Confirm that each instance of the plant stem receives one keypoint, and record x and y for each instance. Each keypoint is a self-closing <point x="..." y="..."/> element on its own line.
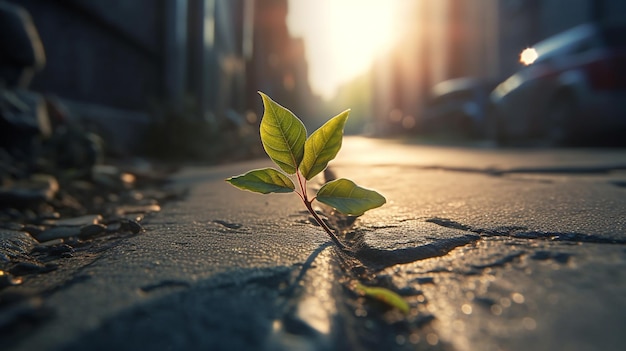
<point x="309" y="207"/>
<point x="302" y="184"/>
<point x="328" y="231"/>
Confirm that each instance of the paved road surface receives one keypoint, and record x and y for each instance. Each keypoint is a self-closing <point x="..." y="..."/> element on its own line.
<point x="493" y="250"/>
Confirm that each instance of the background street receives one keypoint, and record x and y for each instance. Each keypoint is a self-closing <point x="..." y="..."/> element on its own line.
<point x="488" y="129"/>
<point x="493" y="249"/>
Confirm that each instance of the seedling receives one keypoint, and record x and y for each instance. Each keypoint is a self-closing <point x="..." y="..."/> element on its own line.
<point x="285" y="141"/>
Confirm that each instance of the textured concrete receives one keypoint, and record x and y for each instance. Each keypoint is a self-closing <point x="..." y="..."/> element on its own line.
<point x="493" y="250"/>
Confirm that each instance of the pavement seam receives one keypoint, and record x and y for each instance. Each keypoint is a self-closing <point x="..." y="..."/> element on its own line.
<point x="524" y="233"/>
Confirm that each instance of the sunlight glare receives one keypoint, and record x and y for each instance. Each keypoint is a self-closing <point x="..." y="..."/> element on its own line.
<point x="342" y="38"/>
<point x="528" y="56"/>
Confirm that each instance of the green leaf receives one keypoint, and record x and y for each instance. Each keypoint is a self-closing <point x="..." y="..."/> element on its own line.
<point x="283" y="135"/>
<point x="264" y="181"/>
<point x="323" y="145"/>
<point x="349" y="198"/>
<point x="385" y="295"/>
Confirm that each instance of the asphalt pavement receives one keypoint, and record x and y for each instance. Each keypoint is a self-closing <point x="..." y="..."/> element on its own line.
<point x="493" y="249"/>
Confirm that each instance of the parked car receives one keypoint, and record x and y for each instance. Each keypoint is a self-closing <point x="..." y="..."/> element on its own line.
<point x="459" y="107"/>
<point x="572" y="91"/>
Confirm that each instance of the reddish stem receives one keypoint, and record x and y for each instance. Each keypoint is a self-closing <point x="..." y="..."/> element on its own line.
<point x="309" y="207"/>
<point x="327" y="229"/>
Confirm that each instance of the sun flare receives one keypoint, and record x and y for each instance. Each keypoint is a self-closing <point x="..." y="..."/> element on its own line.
<point x="342" y="37"/>
<point x="528" y="56"/>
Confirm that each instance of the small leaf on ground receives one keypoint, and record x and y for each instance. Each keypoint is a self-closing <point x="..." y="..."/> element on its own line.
<point x="323" y="145"/>
<point x="264" y="181"/>
<point x="385" y="295"/>
<point x="349" y="198"/>
<point x="283" y="135"/>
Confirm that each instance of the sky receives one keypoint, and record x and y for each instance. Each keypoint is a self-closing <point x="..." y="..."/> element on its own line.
<point x="342" y="37"/>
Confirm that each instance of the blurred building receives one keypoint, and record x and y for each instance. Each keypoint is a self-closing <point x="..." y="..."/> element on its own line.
<point x="103" y="53"/>
<point x="448" y="39"/>
<point x="278" y="66"/>
<point x="118" y="61"/>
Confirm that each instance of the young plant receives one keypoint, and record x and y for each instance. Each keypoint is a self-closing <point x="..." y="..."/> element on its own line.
<point x="285" y="141"/>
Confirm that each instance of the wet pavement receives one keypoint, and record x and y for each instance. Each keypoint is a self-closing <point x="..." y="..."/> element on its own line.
<point x="492" y="249"/>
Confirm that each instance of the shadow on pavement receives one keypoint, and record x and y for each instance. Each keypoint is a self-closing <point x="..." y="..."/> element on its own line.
<point x="230" y="311"/>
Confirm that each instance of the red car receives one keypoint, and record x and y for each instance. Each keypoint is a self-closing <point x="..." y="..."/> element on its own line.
<point x="572" y="91"/>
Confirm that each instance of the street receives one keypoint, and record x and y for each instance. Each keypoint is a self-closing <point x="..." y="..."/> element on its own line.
<point x="493" y="249"/>
<point x="123" y="224"/>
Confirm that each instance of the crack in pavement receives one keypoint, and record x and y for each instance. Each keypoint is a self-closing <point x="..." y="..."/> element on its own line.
<point x="290" y="300"/>
<point x="366" y="260"/>
<point x="378" y="259"/>
<point x="519" y="286"/>
<point x="571" y="170"/>
<point x="524" y="233"/>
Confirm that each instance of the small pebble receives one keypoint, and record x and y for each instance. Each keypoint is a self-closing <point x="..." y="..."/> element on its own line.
<point x="23" y="268"/>
<point x="51" y="242"/>
<point x="130" y="209"/>
<point x="6" y="279"/>
<point x="33" y="230"/>
<point x="80" y="221"/>
<point x="49" y="215"/>
<point x="57" y="232"/>
<point x="91" y="231"/>
<point x="59" y="250"/>
<point x="133" y="226"/>
<point x="12" y="226"/>
<point x="114" y="227"/>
